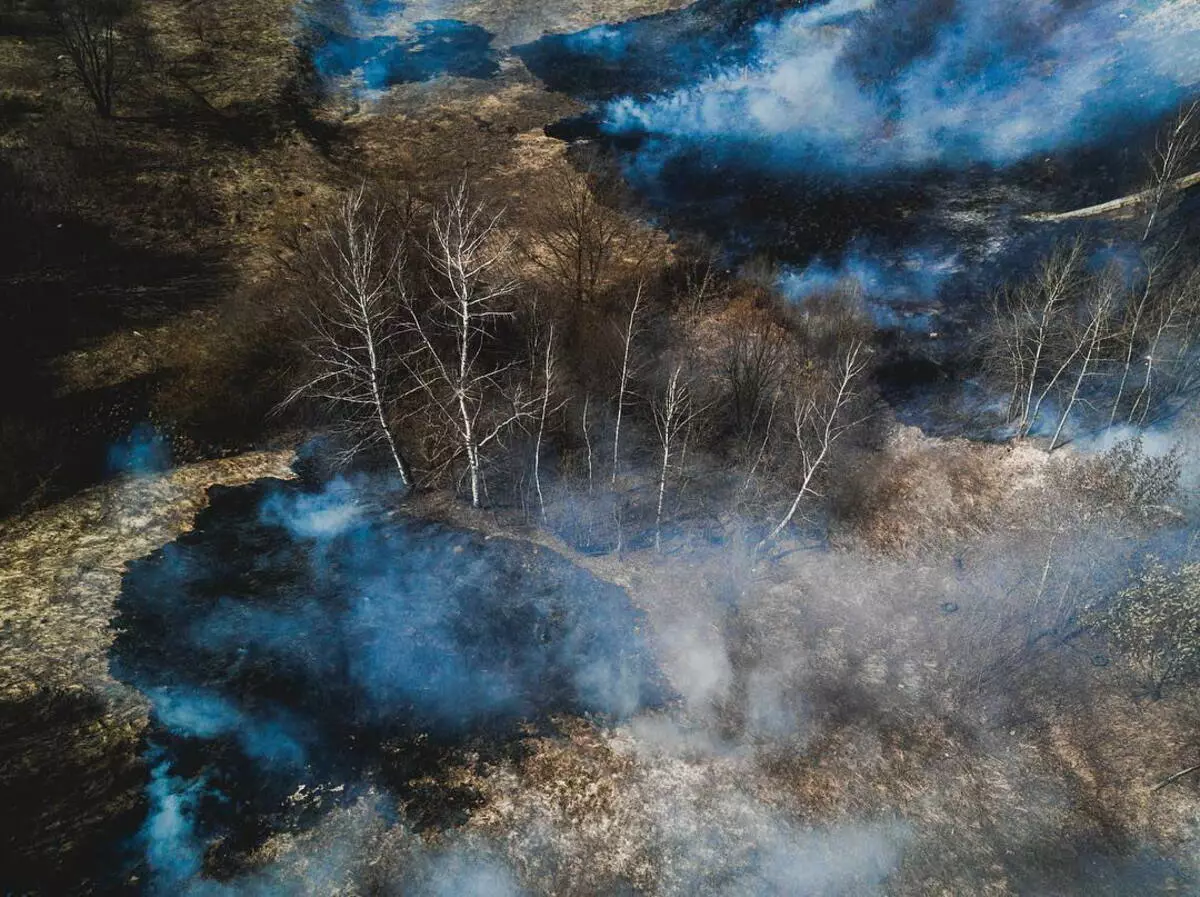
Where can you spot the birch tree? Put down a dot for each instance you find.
(822, 415)
(1130, 333)
(1175, 150)
(352, 327)
(548, 376)
(674, 413)
(1029, 331)
(627, 337)
(1089, 345)
(475, 401)
(1169, 348)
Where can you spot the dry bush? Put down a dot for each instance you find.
(1155, 624)
(923, 494)
(579, 238)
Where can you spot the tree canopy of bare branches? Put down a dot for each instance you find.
(578, 240)
(89, 34)
(674, 413)
(824, 410)
(1176, 149)
(353, 325)
(1114, 346)
(475, 401)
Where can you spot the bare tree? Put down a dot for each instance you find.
(587, 439)
(1129, 334)
(1088, 346)
(752, 366)
(1169, 357)
(577, 239)
(1030, 325)
(476, 402)
(353, 324)
(627, 337)
(1175, 150)
(674, 414)
(544, 412)
(89, 34)
(822, 415)
(702, 285)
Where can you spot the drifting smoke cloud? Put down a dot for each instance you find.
(859, 88)
(370, 610)
(145, 450)
(293, 629)
(915, 276)
(369, 44)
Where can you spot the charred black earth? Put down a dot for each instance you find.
(302, 641)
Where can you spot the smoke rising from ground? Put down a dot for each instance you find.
(856, 87)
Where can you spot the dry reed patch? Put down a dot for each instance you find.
(922, 494)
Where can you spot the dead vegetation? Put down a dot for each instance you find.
(919, 693)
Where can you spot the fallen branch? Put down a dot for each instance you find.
(1179, 775)
(1113, 205)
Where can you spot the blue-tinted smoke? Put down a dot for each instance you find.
(400, 618)
(858, 87)
(144, 450)
(885, 281)
(295, 632)
(270, 736)
(174, 853)
(367, 43)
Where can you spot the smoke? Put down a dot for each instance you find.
(269, 738)
(364, 609)
(173, 851)
(857, 88)
(369, 45)
(886, 280)
(294, 634)
(145, 450)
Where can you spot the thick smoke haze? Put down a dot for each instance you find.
(861, 88)
(369, 45)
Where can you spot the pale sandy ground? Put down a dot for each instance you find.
(61, 568)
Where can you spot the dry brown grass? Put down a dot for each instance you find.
(922, 494)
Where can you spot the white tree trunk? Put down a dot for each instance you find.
(628, 341)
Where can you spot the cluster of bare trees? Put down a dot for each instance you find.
(1070, 345)
(384, 349)
(442, 360)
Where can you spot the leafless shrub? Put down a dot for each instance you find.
(578, 239)
(89, 33)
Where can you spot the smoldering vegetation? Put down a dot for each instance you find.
(360, 44)
(881, 718)
(844, 656)
(297, 640)
(896, 144)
